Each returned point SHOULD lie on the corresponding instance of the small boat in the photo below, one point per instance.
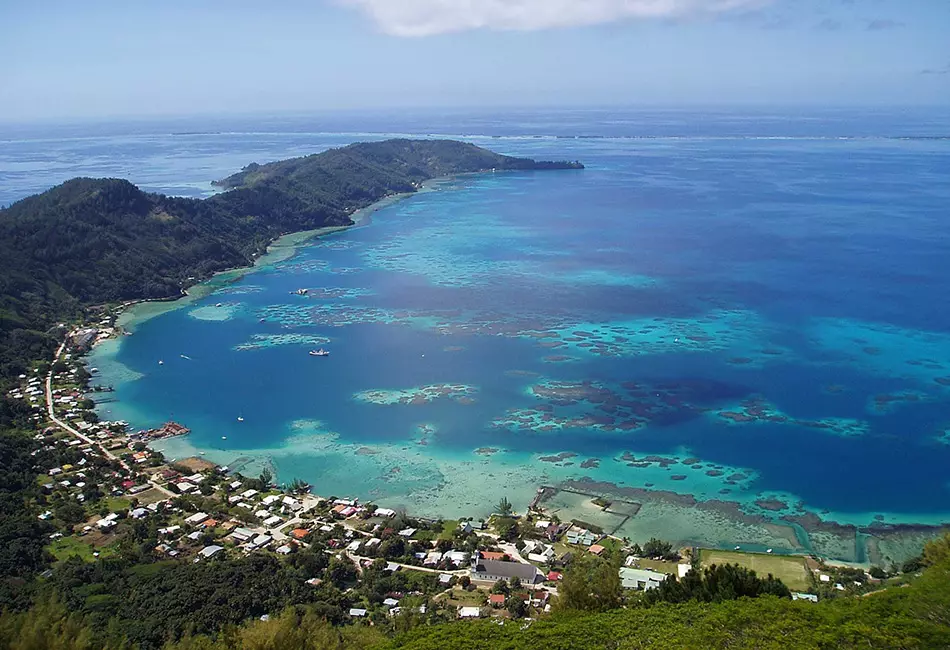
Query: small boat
(224, 437)
(263, 320)
(240, 418)
(319, 353)
(160, 362)
(185, 356)
(218, 305)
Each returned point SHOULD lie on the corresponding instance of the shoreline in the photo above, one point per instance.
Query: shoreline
(286, 246)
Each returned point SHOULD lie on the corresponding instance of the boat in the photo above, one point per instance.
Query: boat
(319, 353)
(224, 437)
(218, 305)
(160, 362)
(240, 418)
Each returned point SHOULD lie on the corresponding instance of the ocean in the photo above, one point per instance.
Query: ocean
(732, 324)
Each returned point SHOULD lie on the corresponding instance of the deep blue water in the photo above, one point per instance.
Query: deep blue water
(799, 260)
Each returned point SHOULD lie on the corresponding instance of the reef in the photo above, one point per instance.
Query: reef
(419, 396)
(261, 341)
(758, 410)
(613, 407)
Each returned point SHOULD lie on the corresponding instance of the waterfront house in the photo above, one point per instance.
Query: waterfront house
(640, 579)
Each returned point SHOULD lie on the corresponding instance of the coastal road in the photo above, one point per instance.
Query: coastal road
(62, 424)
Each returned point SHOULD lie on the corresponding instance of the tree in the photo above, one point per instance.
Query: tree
(500, 587)
(657, 548)
(504, 507)
(590, 584)
(266, 477)
(516, 606)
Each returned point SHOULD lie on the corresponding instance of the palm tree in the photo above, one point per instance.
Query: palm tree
(504, 507)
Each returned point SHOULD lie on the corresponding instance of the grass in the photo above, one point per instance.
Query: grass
(458, 597)
(66, 547)
(788, 568)
(115, 504)
(659, 566)
(449, 527)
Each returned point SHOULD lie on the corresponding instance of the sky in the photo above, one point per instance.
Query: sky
(64, 59)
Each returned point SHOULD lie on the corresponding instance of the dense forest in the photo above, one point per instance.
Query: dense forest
(93, 241)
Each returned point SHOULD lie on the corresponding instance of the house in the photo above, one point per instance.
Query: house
(197, 518)
(268, 500)
(682, 570)
(494, 570)
(466, 527)
(596, 549)
(812, 598)
(242, 534)
(270, 522)
(208, 551)
(233, 485)
(554, 576)
(194, 536)
(356, 612)
(390, 602)
(470, 612)
(496, 600)
(445, 578)
(284, 550)
(184, 487)
(580, 536)
(432, 558)
(261, 540)
(457, 558)
(492, 555)
(642, 579)
(247, 494)
(138, 513)
(384, 512)
(407, 532)
(299, 533)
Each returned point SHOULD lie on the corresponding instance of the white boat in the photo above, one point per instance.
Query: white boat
(224, 437)
(319, 353)
(160, 362)
(240, 418)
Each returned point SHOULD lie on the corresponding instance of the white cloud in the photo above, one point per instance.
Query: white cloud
(427, 17)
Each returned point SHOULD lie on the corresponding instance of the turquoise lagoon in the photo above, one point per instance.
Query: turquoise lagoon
(739, 339)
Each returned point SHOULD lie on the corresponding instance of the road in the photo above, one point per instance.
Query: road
(65, 426)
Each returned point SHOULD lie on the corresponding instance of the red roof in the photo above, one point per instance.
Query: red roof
(497, 599)
(493, 555)
(554, 575)
(299, 533)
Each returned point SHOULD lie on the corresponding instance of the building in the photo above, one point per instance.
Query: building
(209, 551)
(197, 518)
(640, 579)
(494, 570)
(470, 612)
(812, 598)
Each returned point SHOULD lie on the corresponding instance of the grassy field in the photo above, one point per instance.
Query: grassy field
(458, 597)
(790, 569)
(68, 546)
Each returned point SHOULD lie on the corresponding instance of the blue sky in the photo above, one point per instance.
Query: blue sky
(93, 59)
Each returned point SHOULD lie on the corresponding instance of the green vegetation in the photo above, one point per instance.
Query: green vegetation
(789, 569)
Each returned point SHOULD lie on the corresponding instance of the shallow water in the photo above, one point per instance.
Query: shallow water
(765, 309)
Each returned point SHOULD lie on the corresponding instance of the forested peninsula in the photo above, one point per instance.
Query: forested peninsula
(94, 241)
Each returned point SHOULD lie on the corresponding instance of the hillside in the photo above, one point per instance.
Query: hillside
(91, 241)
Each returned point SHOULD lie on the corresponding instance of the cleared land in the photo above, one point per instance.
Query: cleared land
(789, 569)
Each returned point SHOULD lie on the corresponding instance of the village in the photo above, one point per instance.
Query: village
(105, 491)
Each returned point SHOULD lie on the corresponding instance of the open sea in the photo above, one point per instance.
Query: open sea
(734, 325)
